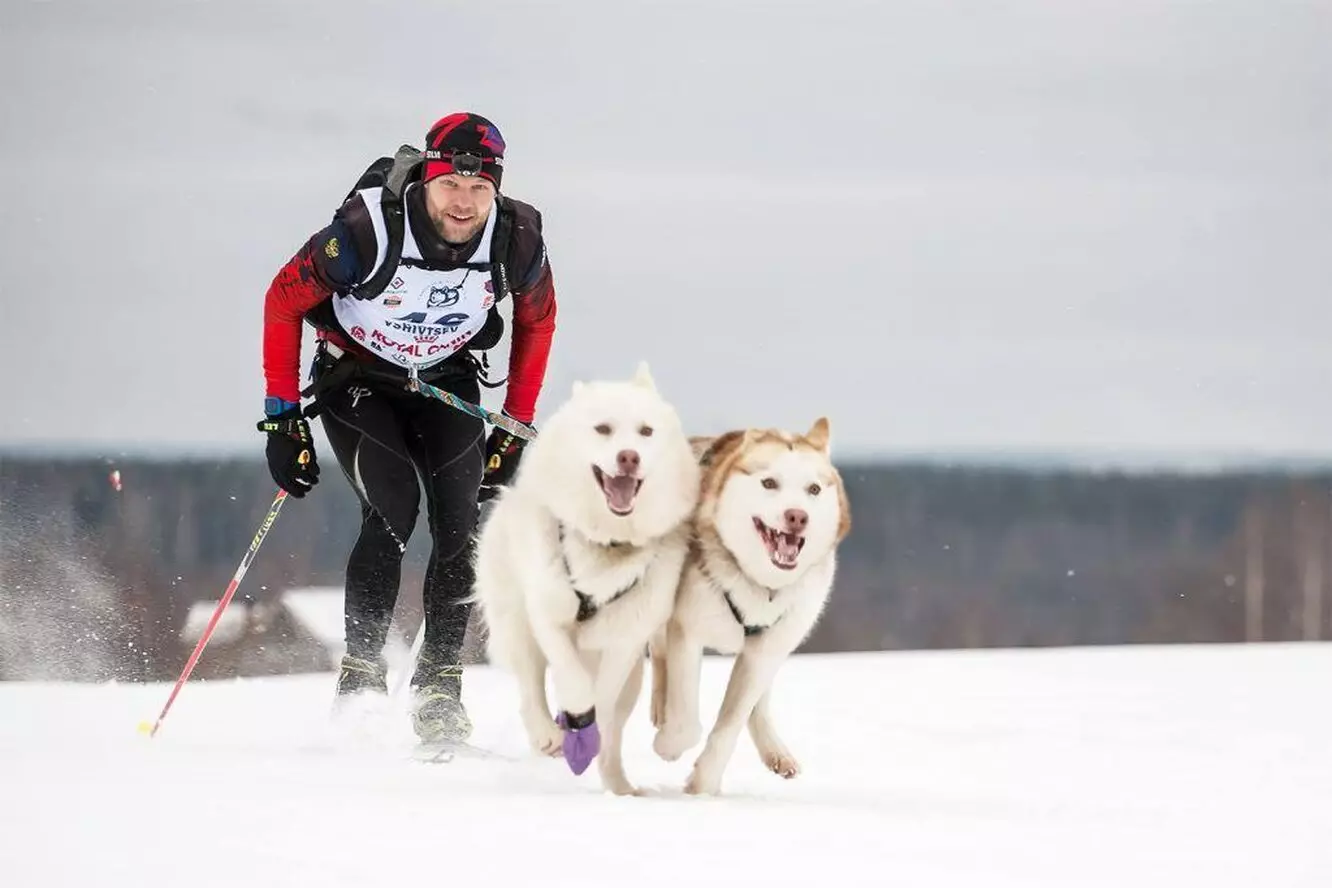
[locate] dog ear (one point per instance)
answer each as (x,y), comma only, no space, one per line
(577,387)
(843,511)
(643,377)
(700,445)
(820,434)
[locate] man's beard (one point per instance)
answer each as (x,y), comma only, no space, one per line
(474,225)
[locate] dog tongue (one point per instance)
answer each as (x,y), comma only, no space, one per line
(620,491)
(788,547)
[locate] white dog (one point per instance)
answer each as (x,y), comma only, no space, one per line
(772,511)
(578,564)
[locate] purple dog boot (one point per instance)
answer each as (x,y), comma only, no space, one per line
(582,739)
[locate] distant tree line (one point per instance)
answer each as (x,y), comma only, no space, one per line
(96,582)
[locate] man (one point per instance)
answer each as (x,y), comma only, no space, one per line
(436,311)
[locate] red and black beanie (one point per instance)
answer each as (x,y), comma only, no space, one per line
(466,144)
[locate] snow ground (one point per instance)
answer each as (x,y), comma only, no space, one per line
(1197,766)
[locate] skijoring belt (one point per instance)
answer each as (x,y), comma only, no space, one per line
(449,368)
(347,367)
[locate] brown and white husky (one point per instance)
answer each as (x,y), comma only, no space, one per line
(772,510)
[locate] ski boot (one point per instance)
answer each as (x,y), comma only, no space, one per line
(360,701)
(358,674)
(438,714)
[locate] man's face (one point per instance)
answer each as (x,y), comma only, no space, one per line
(459,205)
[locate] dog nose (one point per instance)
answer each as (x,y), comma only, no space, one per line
(796,519)
(627,460)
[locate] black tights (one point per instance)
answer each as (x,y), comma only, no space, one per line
(388,441)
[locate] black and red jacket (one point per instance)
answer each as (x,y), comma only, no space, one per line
(302,287)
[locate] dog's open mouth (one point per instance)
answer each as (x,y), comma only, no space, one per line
(783,547)
(620,490)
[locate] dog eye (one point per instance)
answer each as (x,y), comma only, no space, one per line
(769,483)
(603,429)
(813,489)
(645,431)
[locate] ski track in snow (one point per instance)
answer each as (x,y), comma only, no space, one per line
(1170,766)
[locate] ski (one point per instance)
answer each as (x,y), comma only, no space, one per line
(442,751)
(434,753)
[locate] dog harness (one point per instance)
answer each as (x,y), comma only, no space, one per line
(751,629)
(587,606)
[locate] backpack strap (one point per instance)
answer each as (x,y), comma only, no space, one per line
(405,163)
(499,249)
(371,288)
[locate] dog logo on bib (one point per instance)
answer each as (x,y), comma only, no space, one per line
(441,296)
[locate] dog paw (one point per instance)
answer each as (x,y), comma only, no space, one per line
(673,741)
(783,764)
(620,785)
(702,782)
(546,738)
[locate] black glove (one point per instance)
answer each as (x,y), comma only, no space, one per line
(290,451)
(503,450)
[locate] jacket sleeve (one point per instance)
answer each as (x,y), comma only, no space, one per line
(533,331)
(327,262)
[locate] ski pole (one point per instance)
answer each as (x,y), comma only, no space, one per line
(522,430)
(151,731)
(412,654)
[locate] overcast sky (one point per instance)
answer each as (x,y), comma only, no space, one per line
(1091,227)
